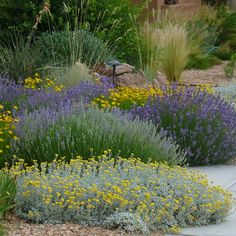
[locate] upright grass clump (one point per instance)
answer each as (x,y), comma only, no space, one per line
(174,51)
(204,125)
(148,50)
(18,59)
(45,134)
(67,47)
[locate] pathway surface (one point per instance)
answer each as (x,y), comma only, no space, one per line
(225,176)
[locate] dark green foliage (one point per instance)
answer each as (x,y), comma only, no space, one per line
(223,52)
(230,67)
(228,34)
(215,2)
(112,17)
(7,192)
(17,15)
(203,62)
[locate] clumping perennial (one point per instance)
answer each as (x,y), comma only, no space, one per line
(103,190)
(204,125)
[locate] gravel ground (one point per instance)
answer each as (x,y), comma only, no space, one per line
(214,76)
(16,227)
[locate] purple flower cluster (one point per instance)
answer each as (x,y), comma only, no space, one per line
(202,124)
(10,92)
(31,100)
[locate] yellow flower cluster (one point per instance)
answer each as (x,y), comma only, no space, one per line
(161,195)
(126,97)
(38,83)
(6,130)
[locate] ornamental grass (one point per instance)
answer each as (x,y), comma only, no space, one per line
(118,193)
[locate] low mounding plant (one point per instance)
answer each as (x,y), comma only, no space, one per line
(174,51)
(7,192)
(118,193)
(71,75)
(227,92)
(45,133)
(202,124)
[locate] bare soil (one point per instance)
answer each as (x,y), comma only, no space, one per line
(213,76)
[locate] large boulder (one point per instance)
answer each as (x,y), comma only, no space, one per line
(133,79)
(126,75)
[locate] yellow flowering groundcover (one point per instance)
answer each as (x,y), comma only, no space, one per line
(102,190)
(7,126)
(126,97)
(38,83)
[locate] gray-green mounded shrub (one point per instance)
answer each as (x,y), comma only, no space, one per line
(42,136)
(65,48)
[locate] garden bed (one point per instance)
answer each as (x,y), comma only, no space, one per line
(214,76)
(17,227)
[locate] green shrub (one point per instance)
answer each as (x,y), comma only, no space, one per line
(203,62)
(223,52)
(68,47)
(100,130)
(228,34)
(109,191)
(230,67)
(7,192)
(110,20)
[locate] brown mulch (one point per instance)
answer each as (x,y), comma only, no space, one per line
(17,227)
(214,76)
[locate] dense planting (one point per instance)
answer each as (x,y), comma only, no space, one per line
(107,191)
(68,133)
(58,115)
(202,124)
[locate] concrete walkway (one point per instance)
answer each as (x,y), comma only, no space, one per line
(225,176)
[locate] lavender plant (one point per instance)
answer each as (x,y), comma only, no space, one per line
(44,134)
(202,124)
(10,93)
(85,91)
